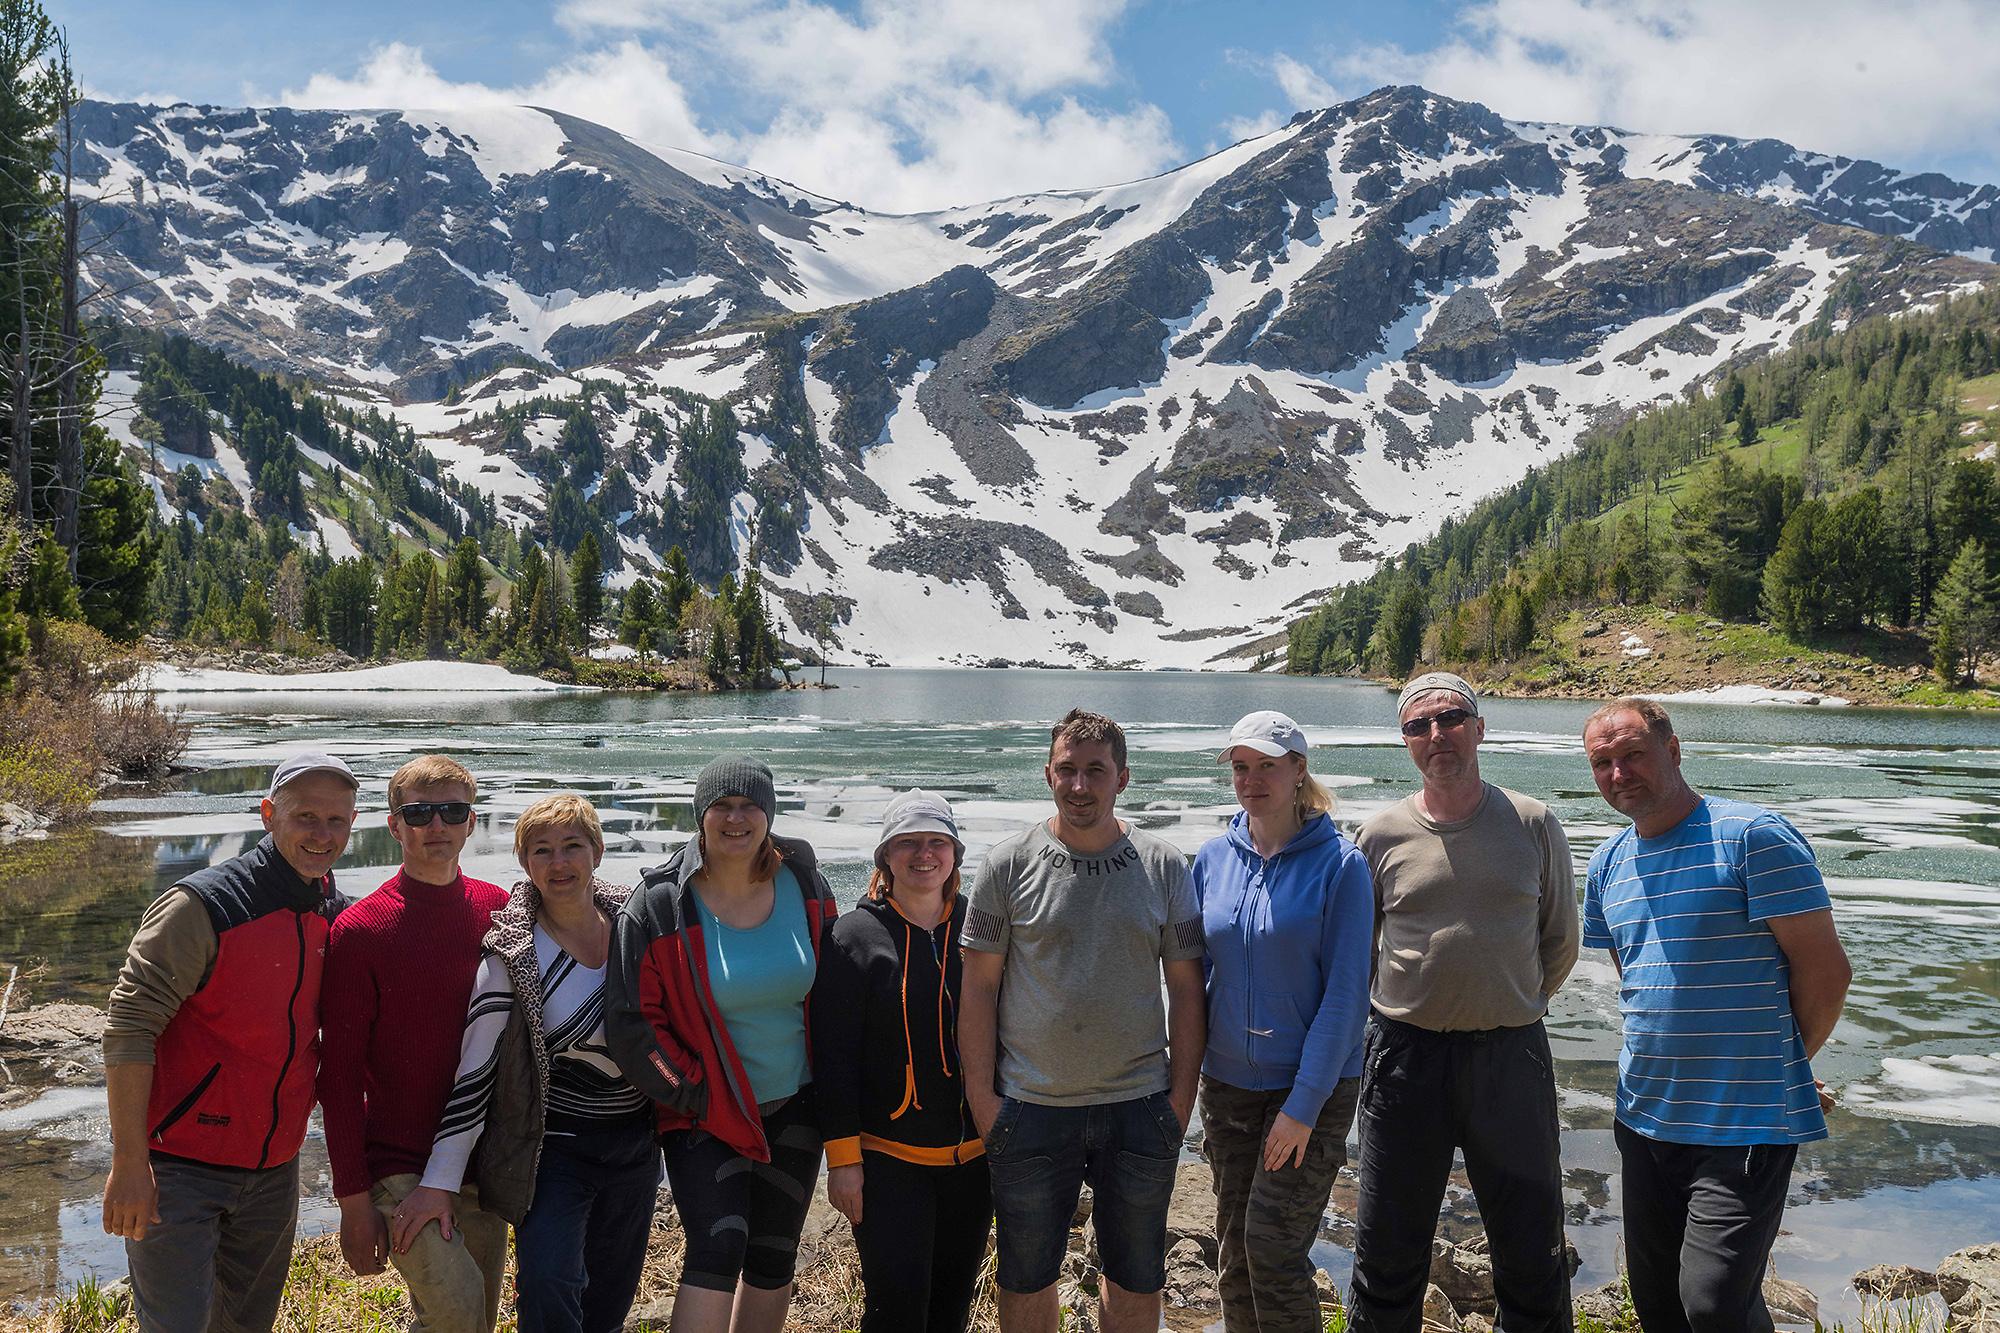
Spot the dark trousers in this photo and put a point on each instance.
(216, 1260)
(1699, 1224)
(1266, 1221)
(742, 1218)
(582, 1246)
(922, 1239)
(1491, 1095)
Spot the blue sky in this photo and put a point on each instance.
(905, 104)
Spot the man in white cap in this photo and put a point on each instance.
(211, 1046)
(1476, 927)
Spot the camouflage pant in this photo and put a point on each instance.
(1266, 1221)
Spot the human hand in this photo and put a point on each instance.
(425, 1205)
(364, 1235)
(1183, 1104)
(1827, 1101)
(1285, 1145)
(985, 1107)
(131, 1199)
(843, 1191)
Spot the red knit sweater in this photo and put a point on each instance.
(399, 970)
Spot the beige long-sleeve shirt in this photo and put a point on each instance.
(169, 957)
(1476, 921)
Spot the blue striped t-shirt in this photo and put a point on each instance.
(1712, 1053)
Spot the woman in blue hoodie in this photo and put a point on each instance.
(1289, 912)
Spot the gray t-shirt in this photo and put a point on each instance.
(1082, 1020)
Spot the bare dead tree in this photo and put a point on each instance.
(70, 346)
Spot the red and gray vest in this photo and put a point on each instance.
(233, 1072)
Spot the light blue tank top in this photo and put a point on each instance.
(760, 978)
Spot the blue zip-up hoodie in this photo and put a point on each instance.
(1289, 945)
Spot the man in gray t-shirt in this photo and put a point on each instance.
(1070, 926)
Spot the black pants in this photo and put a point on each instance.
(1699, 1224)
(1491, 1095)
(922, 1239)
(742, 1218)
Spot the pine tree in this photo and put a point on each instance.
(467, 589)
(717, 660)
(436, 621)
(586, 573)
(1968, 615)
(636, 621)
(1797, 594)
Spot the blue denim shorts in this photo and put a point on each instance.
(1039, 1158)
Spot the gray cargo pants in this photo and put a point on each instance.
(217, 1260)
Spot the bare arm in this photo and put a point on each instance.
(979, 1034)
(1820, 972)
(131, 1197)
(1187, 1032)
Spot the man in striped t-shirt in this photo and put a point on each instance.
(1731, 978)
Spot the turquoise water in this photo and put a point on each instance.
(1901, 808)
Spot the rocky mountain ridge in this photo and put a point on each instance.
(1127, 425)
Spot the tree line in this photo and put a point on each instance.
(1881, 521)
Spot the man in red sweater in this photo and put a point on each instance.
(399, 972)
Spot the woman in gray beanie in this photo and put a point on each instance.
(906, 1166)
(713, 958)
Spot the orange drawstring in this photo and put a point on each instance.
(909, 1049)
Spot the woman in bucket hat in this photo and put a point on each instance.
(713, 959)
(1288, 910)
(906, 1166)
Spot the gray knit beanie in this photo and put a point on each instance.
(735, 775)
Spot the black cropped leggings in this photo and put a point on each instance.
(743, 1217)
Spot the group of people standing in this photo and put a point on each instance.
(965, 1058)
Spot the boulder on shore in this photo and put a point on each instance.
(1895, 1282)
(1969, 1281)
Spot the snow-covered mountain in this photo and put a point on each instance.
(1143, 423)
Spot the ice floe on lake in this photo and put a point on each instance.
(402, 677)
(1948, 1089)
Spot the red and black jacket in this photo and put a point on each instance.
(233, 1071)
(660, 1016)
(885, 1039)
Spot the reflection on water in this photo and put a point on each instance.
(1901, 807)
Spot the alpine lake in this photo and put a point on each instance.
(1902, 807)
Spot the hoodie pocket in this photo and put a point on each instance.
(1277, 1027)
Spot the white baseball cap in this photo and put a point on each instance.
(1266, 732)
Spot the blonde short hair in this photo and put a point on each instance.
(430, 770)
(1313, 798)
(552, 812)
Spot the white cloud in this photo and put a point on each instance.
(628, 87)
(1891, 79)
(898, 105)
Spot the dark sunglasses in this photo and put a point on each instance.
(1451, 719)
(418, 813)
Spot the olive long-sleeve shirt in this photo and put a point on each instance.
(169, 958)
(1476, 921)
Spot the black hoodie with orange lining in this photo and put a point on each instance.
(886, 1074)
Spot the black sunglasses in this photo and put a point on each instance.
(418, 813)
(1451, 719)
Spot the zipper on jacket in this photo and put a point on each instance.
(291, 1043)
(186, 1104)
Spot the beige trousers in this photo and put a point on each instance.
(454, 1284)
